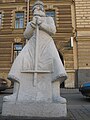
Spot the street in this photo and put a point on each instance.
(78, 106)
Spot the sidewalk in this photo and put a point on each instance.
(77, 105)
(77, 108)
(79, 112)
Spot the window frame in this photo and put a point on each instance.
(19, 20)
(51, 10)
(13, 57)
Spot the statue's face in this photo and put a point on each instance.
(39, 10)
(39, 7)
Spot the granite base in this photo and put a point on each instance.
(38, 109)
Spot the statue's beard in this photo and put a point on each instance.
(39, 13)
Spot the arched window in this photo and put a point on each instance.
(62, 85)
(61, 57)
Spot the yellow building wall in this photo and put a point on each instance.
(65, 23)
(83, 39)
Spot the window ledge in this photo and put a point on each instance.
(18, 30)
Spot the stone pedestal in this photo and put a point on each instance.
(42, 100)
(37, 109)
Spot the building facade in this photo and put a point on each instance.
(72, 19)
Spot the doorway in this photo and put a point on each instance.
(62, 85)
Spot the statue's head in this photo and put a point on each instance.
(38, 5)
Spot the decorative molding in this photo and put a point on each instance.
(49, 6)
(17, 40)
(4, 1)
(13, 18)
(2, 15)
(3, 75)
(19, 8)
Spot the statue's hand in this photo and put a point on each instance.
(37, 20)
(33, 24)
(34, 20)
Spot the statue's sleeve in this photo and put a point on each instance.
(29, 31)
(48, 26)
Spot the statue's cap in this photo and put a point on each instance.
(38, 2)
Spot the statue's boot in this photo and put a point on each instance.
(56, 93)
(59, 99)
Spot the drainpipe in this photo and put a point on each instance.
(28, 2)
(76, 38)
(28, 10)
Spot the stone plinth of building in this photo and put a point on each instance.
(36, 109)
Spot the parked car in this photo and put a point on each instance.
(3, 84)
(85, 89)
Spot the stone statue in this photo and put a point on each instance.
(38, 71)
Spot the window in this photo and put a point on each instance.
(19, 20)
(17, 47)
(50, 13)
(0, 19)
